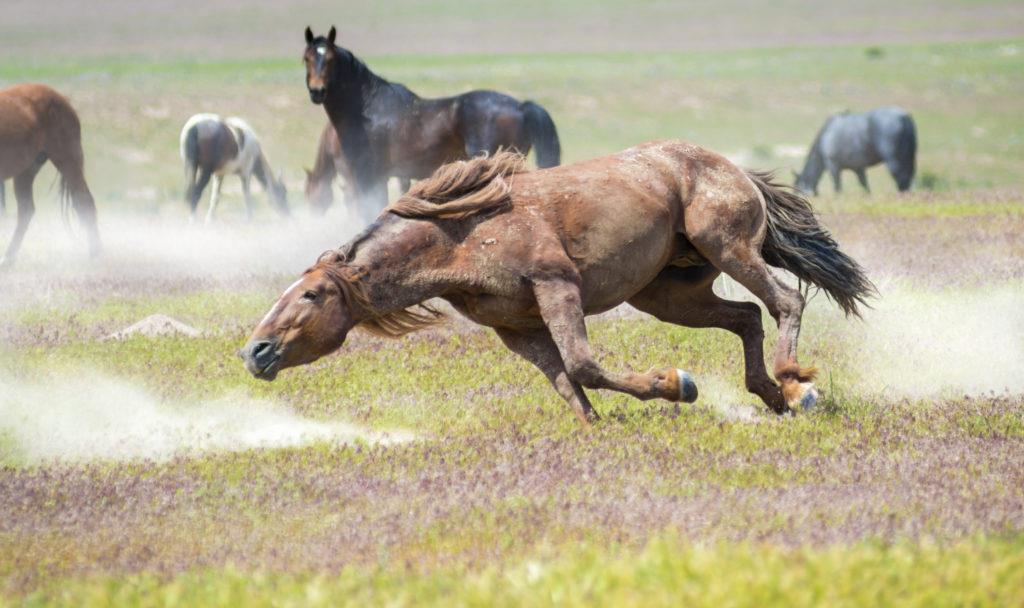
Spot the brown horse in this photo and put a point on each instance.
(531, 253)
(329, 164)
(387, 130)
(38, 124)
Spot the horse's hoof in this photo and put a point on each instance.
(808, 398)
(687, 387)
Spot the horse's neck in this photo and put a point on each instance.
(262, 172)
(814, 166)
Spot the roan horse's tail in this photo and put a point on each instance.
(543, 135)
(906, 153)
(796, 242)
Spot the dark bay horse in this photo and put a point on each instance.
(531, 253)
(329, 164)
(212, 147)
(859, 141)
(387, 130)
(38, 124)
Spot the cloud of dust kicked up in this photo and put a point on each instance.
(92, 417)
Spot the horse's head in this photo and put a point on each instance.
(803, 185)
(319, 58)
(318, 193)
(310, 319)
(278, 193)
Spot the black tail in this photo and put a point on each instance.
(543, 135)
(796, 242)
(906, 153)
(190, 154)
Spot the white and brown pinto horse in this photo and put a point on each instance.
(532, 253)
(214, 147)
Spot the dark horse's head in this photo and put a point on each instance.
(328, 66)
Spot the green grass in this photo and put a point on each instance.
(667, 572)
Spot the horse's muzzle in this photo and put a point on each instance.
(317, 96)
(261, 358)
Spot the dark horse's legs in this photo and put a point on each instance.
(194, 190)
(26, 208)
(538, 348)
(685, 297)
(862, 177)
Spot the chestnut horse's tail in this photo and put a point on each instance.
(543, 135)
(797, 242)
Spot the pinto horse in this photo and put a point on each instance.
(387, 130)
(38, 124)
(216, 147)
(530, 254)
(329, 164)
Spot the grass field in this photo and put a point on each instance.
(440, 469)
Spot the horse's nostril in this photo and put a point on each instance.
(260, 348)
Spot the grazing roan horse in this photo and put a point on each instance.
(387, 130)
(330, 163)
(858, 141)
(212, 147)
(38, 124)
(532, 253)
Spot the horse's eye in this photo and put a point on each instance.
(310, 295)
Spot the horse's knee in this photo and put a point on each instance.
(584, 371)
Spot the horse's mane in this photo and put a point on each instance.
(389, 325)
(461, 189)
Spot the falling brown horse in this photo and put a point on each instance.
(532, 253)
(386, 130)
(38, 124)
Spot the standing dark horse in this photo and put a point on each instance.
(859, 141)
(38, 124)
(387, 130)
(531, 253)
(215, 147)
(330, 163)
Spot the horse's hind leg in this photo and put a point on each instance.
(686, 297)
(538, 348)
(3, 199)
(561, 309)
(26, 208)
(862, 177)
(741, 260)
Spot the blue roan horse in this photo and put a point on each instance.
(858, 141)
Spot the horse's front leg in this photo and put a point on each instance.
(562, 310)
(837, 180)
(247, 195)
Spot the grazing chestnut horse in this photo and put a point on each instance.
(330, 163)
(532, 253)
(216, 147)
(38, 124)
(387, 130)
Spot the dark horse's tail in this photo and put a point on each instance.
(906, 153)
(190, 152)
(543, 135)
(796, 242)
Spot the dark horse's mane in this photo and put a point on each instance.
(463, 188)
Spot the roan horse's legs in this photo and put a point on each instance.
(685, 297)
(26, 208)
(538, 348)
(862, 177)
(561, 308)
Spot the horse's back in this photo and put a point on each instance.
(35, 119)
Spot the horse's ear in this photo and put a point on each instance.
(331, 34)
(309, 35)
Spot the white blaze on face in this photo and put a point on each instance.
(321, 50)
(277, 305)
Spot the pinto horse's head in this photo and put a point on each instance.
(319, 58)
(310, 319)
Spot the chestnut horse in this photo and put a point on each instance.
(387, 130)
(216, 147)
(38, 124)
(531, 253)
(330, 163)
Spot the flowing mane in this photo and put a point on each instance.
(463, 188)
(389, 325)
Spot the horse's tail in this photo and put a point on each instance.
(906, 153)
(543, 135)
(66, 202)
(190, 154)
(796, 242)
